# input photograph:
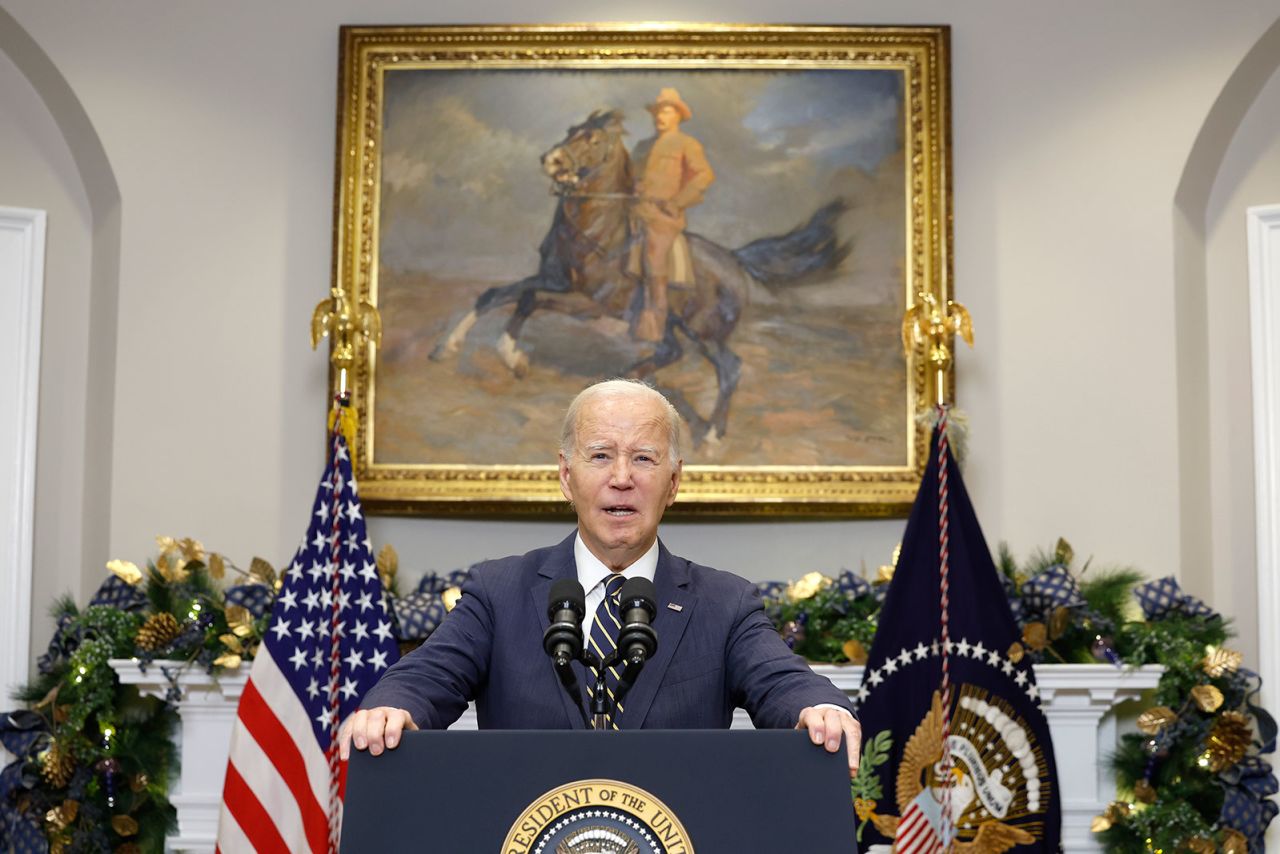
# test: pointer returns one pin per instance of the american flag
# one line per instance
(328, 641)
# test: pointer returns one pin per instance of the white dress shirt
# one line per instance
(592, 573)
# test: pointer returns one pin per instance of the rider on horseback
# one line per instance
(673, 173)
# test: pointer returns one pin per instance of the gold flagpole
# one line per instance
(349, 325)
(931, 326)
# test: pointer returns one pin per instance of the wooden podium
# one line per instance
(565, 792)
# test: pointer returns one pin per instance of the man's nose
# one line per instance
(620, 473)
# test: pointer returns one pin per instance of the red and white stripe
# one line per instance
(335, 658)
(944, 596)
(277, 785)
(915, 835)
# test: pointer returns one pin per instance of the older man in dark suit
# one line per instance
(620, 468)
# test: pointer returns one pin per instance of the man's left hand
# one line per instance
(828, 725)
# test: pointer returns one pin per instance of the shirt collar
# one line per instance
(591, 570)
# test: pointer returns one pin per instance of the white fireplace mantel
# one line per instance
(1078, 700)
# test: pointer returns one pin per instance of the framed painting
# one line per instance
(738, 215)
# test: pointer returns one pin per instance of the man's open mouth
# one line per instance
(620, 510)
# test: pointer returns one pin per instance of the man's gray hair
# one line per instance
(620, 388)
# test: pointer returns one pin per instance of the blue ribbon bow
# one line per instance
(1163, 596)
(1053, 588)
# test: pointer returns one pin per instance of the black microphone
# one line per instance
(637, 639)
(565, 608)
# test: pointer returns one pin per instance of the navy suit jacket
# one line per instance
(717, 652)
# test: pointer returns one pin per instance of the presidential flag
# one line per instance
(957, 750)
(328, 641)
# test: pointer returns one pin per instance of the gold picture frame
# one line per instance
(443, 210)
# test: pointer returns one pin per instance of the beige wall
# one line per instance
(37, 171)
(1073, 123)
(1250, 175)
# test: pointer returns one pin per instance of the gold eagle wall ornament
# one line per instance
(348, 324)
(931, 326)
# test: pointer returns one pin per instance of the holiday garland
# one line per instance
(95, 758)
(1193, 778)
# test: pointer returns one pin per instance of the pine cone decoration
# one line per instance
(158, 632)
(57, 766)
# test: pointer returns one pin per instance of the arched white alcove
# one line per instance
(81, 525)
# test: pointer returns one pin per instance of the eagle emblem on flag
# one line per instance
(995, 785)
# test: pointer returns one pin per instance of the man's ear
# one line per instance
(564, 478)
(676, 472)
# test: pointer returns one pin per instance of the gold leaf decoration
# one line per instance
(1220, 661)
(173, 571)
(239, 620)
(229, 660)
(1207, 697)
(885, 574)
(64, 814)
(1059, 622)
(231, 642)
(450, 598)
(49, 699)
(1234, 842)
(262, 572)
(1227, 741)
(158, 631)
(388, 564)
(217, 565)
(808, 586)
(1114, 813)
(1063, 553)
(1200, 845)
(1155, 719)
(855, 651)
(1144, 792)
(126, 571)
(166, 544)
(1016, 652)
(124, 825)
(191, 549)
(1035, 635)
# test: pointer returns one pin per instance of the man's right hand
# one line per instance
(374, 729)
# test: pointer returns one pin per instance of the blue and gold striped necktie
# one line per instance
(603, 636)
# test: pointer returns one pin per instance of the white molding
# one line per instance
(22, 245)
(1263, 225)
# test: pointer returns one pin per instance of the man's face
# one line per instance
(666, 118)
(620, 478)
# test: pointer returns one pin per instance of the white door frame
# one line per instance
(22, 236)
(1264, 310)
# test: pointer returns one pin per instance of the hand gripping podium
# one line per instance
(586, 792)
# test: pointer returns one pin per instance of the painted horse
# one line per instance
(584, 269)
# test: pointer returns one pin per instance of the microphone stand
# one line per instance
(601, 709)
